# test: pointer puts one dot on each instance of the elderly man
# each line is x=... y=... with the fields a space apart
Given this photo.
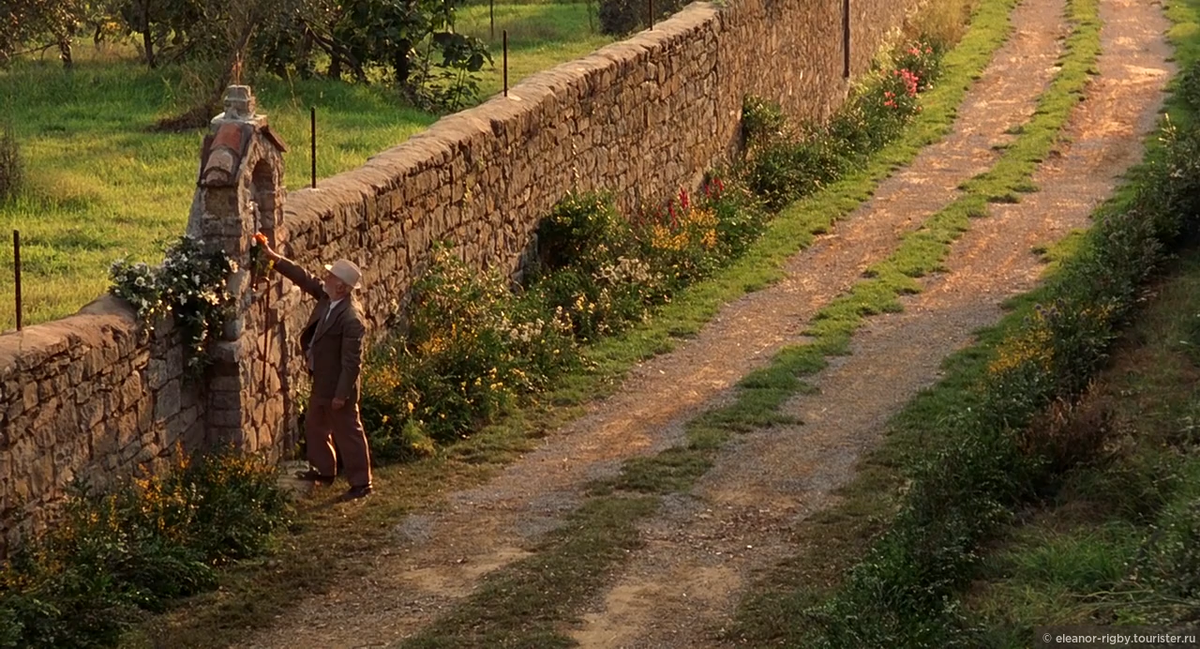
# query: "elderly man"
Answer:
x=332 y=343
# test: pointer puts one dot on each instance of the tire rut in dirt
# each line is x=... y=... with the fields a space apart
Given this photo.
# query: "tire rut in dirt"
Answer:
x=440 y=555
x=737 y=522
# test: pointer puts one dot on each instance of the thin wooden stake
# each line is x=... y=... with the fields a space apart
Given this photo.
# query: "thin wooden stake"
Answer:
x=17 y=272
x=846 y=39
x=506 y=63
x=313 y=136
x=266 y=334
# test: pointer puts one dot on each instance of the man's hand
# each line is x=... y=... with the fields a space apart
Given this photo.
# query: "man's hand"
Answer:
x=266 y=247
x=338 y=403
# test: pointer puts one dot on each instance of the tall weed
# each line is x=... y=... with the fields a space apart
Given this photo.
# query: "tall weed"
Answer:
x=788 y=163
x=1008 y=448
x=12 y=167
x=137 y=548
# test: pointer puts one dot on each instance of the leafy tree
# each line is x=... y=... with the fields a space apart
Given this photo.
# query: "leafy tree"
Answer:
x=28 y=23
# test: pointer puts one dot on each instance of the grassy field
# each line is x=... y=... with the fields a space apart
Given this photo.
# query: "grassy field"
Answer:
x=1118 y=543
x=101 y=185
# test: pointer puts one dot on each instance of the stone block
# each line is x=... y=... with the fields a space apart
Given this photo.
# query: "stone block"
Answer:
x=145 y=413
x=130 y=391
x=175 y=362
x=124 y=428
x=167 y=402
x=156 y=373
x=91 y=413
x=29 y=396
x=224 y=418
x=41 y=475
x=129 y=452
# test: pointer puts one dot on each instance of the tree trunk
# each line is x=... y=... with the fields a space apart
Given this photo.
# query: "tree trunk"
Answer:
x=335 y=67
x=148 y=43
x=147 y=34
x=402 y=63
x=64 y=52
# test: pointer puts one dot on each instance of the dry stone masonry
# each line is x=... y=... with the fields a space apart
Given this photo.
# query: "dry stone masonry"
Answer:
x=89 y=396
x=241 y=192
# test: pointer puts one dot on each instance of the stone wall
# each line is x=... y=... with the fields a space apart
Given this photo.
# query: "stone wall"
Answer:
x=85 y=396
x=640 y=118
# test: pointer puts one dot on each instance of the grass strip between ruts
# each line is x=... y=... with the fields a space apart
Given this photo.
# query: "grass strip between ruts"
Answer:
x=528 y=601
x=254 y=594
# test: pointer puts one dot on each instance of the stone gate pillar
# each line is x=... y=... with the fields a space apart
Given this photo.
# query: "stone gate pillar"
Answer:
x=239 y=192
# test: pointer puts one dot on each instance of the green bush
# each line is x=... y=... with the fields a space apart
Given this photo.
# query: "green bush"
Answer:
x=621 y=17
x=136 y=548
x=904 y=592
x=1170 y=560
x=785 y=164
x=582 y=231
x=1187 y=87
x=741 y=217
x=762 y=121
x=470 y=347
x=12 y=168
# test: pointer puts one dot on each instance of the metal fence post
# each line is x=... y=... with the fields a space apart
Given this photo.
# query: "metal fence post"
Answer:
x=17 y=272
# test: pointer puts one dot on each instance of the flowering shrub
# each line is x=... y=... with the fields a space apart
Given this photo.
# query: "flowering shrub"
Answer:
x=679 y=239
x=590 y=269
x=470 y=347
x=136 y=547
x=260 y=263
x=786 y=164
x=605 y=272
x=740 y=216
x=190 y=284
x=922 y=60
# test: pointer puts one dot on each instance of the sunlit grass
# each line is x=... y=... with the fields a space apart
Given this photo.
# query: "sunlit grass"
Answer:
x=101 y=184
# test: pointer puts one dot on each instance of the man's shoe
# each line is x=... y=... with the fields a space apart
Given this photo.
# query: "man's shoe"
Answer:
x=358 y=492
x=312 y=475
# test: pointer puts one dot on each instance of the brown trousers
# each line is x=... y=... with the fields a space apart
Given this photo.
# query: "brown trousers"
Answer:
x=323 y=427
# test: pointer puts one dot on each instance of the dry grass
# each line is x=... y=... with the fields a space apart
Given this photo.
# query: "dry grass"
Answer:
x=942 y=21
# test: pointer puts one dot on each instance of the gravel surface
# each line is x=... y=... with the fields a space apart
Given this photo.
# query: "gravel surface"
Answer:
x=682 y=590
x=704 y=545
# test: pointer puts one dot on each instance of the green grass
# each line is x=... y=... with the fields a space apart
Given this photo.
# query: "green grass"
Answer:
x=1074 y=559
x=772 y=611
x=252 y=595
x=101 y=185
x=760 y=394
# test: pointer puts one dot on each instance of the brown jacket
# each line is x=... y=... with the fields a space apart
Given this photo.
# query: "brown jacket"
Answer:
x=333 y=346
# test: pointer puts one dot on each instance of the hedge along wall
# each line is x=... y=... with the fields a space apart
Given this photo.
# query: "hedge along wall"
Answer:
x=640 y=118
x=83 y=396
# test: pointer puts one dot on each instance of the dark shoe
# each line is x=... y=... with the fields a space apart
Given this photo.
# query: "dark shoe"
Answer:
x=358 y=492
x=311 y=475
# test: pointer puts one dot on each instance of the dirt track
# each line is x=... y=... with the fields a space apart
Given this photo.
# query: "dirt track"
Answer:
x=685 y=583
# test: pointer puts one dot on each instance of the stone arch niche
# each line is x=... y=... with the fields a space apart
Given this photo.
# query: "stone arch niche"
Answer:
x=240 y=192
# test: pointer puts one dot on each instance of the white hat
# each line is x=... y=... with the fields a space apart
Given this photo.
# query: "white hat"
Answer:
x=346 y=271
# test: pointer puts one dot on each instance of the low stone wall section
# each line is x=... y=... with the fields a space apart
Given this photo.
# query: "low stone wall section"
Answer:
x=639 y=118
x=87 y=396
